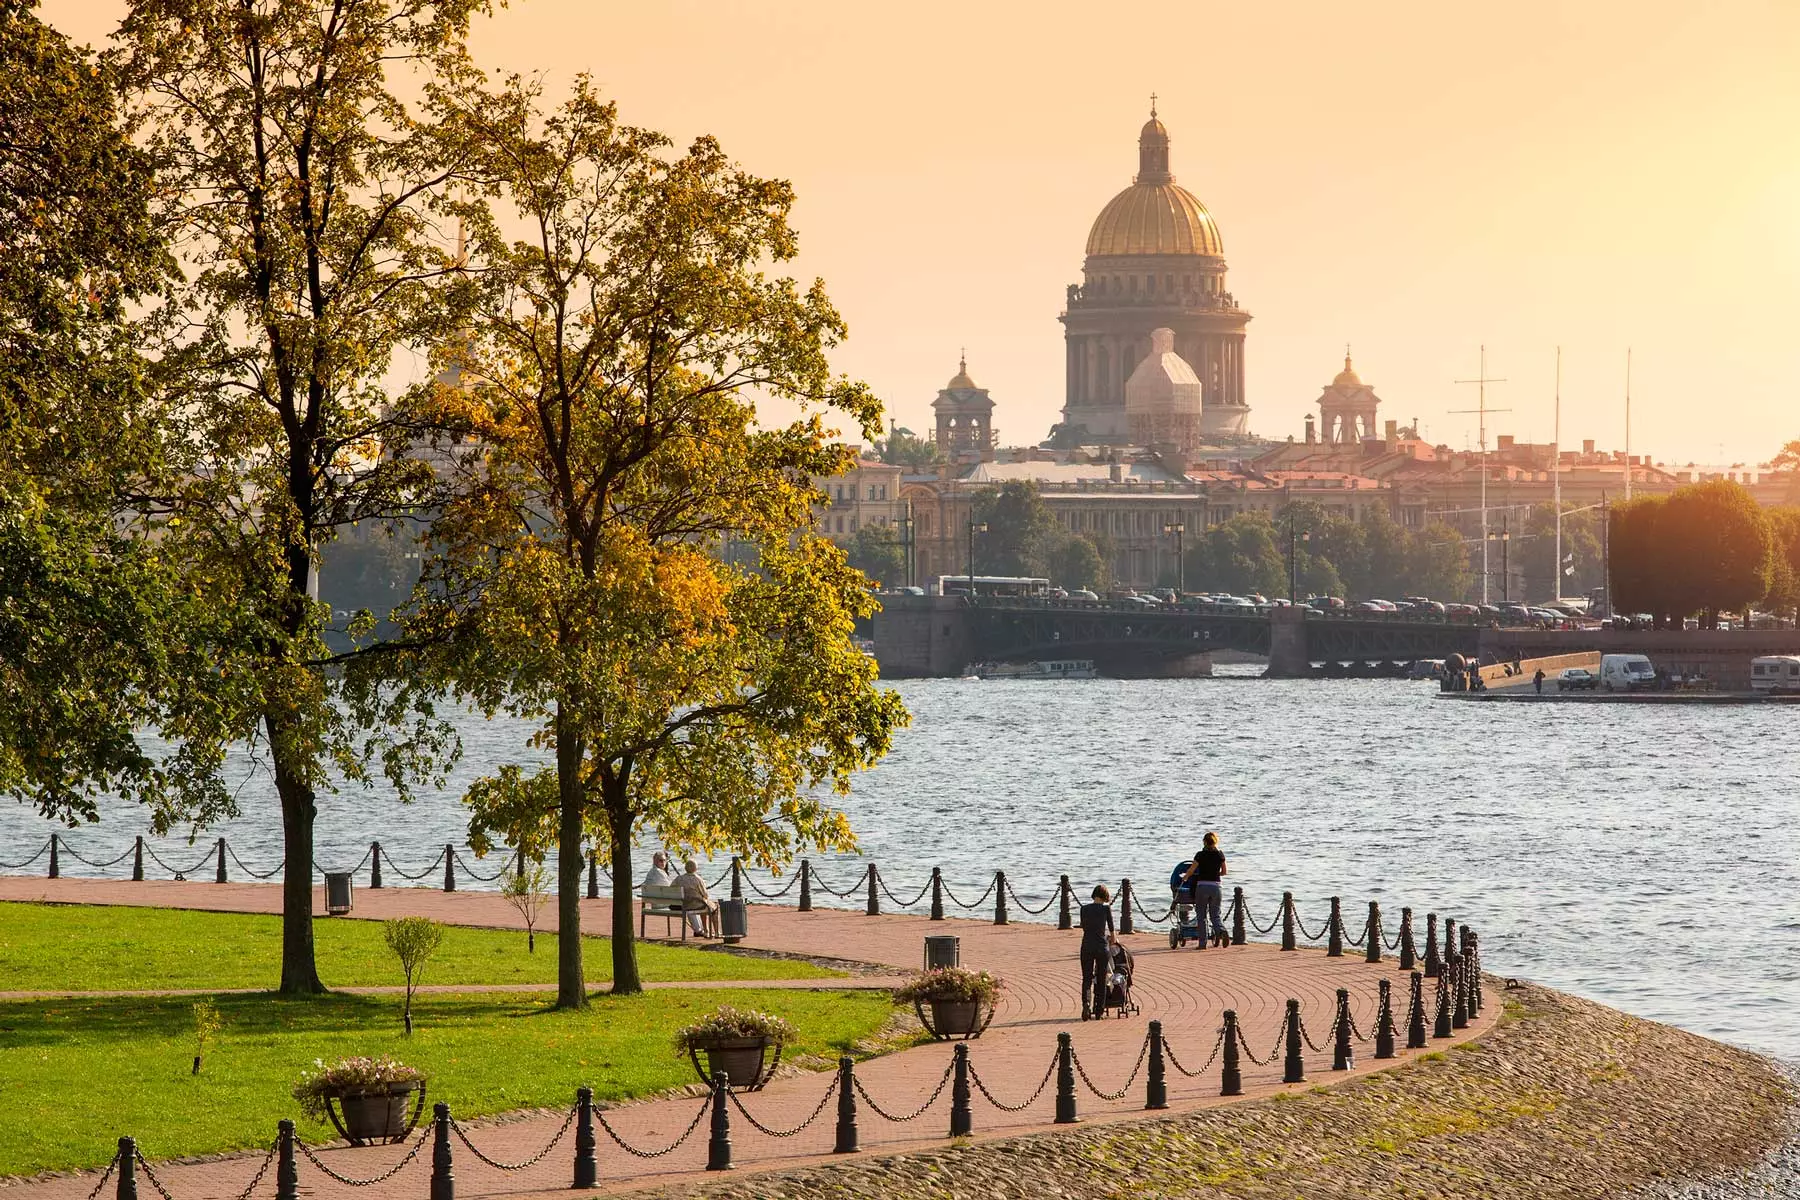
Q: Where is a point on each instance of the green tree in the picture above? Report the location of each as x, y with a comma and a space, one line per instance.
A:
1239, 555
1438, 564
902, 448
1784, 575
1020, 530
1722, 555
1639, 582
302, 184
1076, 562
620, 344
1386, 556
413, 941
1536, 551
876, 551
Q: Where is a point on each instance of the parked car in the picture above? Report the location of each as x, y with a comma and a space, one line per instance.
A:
1576, 679
1626, 672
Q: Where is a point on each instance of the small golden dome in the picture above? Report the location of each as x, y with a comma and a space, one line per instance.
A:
1348, 376
1155, 218
961, 381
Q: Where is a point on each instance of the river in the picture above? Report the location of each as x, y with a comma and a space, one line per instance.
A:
1647, 857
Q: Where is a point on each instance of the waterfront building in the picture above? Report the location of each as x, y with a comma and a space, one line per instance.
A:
965, 417
866, 494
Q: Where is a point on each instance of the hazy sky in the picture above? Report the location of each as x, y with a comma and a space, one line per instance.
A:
1413, 178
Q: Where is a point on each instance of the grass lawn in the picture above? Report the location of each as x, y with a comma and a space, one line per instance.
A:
55, 947
77, 1074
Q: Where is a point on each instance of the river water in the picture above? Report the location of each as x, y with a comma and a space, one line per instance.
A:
1647, 857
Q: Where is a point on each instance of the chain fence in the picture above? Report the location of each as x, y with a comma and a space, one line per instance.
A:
796, 1130
534, 1160
636, 1152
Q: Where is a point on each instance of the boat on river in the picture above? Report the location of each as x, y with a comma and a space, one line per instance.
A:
1059, 668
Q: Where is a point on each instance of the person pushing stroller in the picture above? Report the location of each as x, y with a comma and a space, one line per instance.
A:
1203, 883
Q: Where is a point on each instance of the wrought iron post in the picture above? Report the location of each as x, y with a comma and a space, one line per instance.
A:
1125, 906
127, 1167
962, 1119
1156, 1091
873, 908
587, 1164
593, 888
1065, 1080
1064, 918
219, 876
1450, 943
1374, 951
449, 867
846, 1122
287, 1170
806, 885
1342, 1058
1294, 1068
718, 1146
374, 864
1440, 1023
1409, 954
1474, 968
1384, 1022
137, 860
1287, 922
1459, 991
1231, 1077
999, 897
937, 893
737, 878
1415, 1014
55, 859
1334, 937
443, 1177
1434, 965
1238, 934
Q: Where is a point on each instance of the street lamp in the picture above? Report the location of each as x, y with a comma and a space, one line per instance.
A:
906, 544
974, 528
1294, 560
1178, 528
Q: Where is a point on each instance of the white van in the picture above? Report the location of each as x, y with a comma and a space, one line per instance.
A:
1775, 673
1626, 673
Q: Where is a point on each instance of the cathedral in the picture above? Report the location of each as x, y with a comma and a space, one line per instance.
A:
1155, 264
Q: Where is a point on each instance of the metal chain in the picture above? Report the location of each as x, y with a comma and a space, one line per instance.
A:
1026, 907
1362, 939
1355, 1031
1145, 913
776, 895
254, 874
721, 879
916, 1113
157, 858
857, 886
98, 866
533, 1161
1260, 928
1307, 933
151, 1176
110, 1168
882, 883
504, 868
404, 874
787, 1133
1143, 1052
1307, 1037
268, 1158
979, 900
975, 1077
1244, 1045
628, 1148
1395, 944
1218, 1043
418, 1145
29, 861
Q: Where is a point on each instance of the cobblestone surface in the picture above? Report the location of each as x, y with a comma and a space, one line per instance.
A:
1566, 1100
1776, 1174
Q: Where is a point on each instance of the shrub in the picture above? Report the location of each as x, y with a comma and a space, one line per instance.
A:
413, 940
953, 985
726, 1022
351, 1077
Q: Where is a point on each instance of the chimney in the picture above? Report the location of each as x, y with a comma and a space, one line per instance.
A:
1505, 442
1587, 445
1114, 471
1392, 435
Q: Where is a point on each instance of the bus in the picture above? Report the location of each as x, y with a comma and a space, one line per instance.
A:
992, 585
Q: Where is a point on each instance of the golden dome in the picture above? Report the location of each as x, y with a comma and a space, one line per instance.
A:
1155, 218
1348, 376
961, 381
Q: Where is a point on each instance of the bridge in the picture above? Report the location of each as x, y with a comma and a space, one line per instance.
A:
942, 635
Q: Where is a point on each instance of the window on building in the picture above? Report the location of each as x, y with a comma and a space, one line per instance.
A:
852, 524
871, 491
1168, 283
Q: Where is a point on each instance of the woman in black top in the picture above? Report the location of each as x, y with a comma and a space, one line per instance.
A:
1204, 877
1096, 924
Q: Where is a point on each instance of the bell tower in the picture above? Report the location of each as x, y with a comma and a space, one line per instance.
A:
965, 416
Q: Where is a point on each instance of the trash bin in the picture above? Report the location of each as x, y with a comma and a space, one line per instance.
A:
337, 893
943, 951
734, 921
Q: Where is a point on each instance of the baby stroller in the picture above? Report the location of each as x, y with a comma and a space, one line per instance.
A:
1185, 922
1119, 971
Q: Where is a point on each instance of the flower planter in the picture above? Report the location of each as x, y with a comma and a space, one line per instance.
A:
746, 1061
369, 1118
954, 1018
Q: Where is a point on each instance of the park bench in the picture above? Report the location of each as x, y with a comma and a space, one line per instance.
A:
667, 901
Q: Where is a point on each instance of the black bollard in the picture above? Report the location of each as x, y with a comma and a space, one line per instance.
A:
1231, 1078
1064, 919
718, 1147
1239, 935
593, 888
1294, 1069
1342, 1057
443, 1178
937, 893
55, 859
999, 897
737, 878
806, 885
1450, 942
127, 1169
1334, 935
1409, 955
1374, 932
1287, 922
846, 1122
220, 876
1415, 1014
1474, 967
449, 867
1065, 1080
374, 864
962, 1119
587, 1163
137, 860
1156, 1091
1384, 1022
873, 908
1125, 906
1434, 965
1440, 1023
1459, 992
287, 1170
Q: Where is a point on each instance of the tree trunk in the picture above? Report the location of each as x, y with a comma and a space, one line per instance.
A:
571, 982
624, 940
299, 964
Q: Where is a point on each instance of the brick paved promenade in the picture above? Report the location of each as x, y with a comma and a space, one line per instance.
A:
1186, 990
